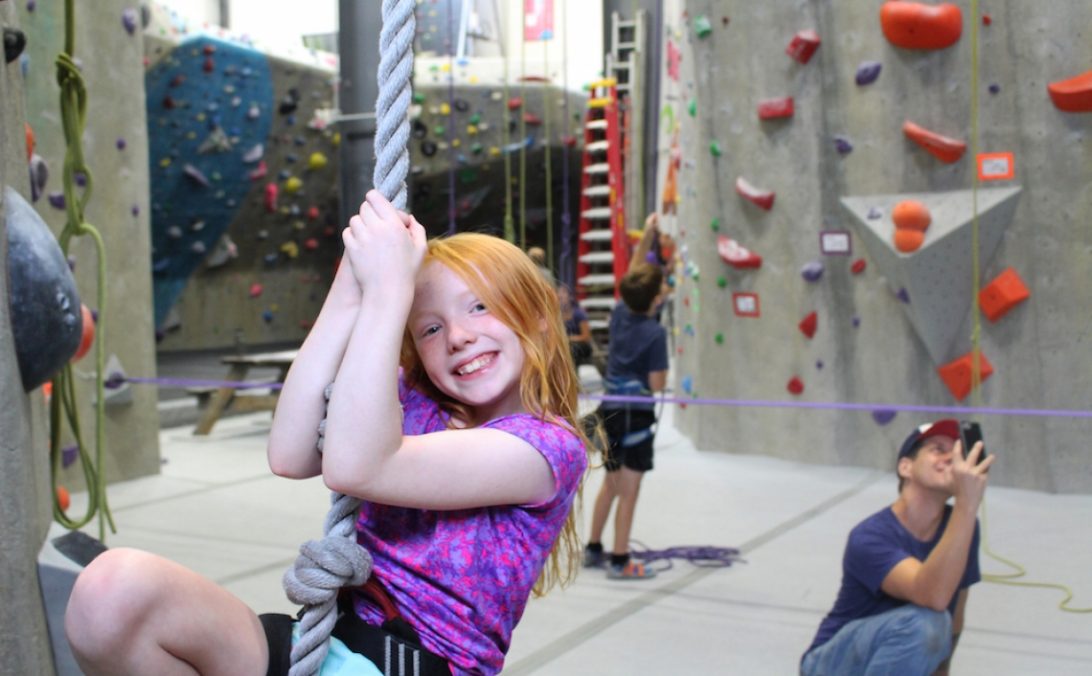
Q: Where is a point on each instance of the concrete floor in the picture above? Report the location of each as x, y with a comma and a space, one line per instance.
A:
217, 509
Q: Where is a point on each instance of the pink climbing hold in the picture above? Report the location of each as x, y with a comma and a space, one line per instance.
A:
803, 45
732, 253
271, 192
763, 199
809, 324
772, 109
255, 290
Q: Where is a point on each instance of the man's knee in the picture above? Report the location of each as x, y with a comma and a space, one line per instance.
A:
930, 630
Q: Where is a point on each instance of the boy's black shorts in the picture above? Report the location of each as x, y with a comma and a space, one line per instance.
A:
617, 423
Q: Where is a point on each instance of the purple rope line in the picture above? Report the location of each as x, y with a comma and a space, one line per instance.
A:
843, 406
703, 556
116, 381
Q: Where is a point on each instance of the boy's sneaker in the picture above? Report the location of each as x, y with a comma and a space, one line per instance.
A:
595, 558
631, 571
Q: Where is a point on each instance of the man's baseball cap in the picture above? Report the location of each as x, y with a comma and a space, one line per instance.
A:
948, 427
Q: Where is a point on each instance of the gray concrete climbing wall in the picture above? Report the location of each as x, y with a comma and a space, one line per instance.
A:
25, 509
841, 162
115, 151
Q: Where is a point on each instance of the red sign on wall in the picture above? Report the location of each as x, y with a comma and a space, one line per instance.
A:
538, 21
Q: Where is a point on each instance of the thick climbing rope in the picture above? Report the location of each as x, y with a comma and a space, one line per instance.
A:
325, 566
73, 121
523, 126
509, 223
1018, 571
451, 132
565, 262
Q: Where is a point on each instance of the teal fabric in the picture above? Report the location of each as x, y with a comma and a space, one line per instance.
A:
341, 661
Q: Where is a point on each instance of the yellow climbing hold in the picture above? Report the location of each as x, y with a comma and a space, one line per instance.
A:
471, 129
316, 161
291, 249
293, 184
445, 109
494, 151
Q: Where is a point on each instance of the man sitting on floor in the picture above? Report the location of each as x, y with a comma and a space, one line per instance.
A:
906, 568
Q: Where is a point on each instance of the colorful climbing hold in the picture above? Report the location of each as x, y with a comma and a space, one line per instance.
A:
915, 25
803, 45
809, 324
858, 266
702, 27
957, 374
843, 145
87, 334
772, 109
868, 72
1073, 95
714, 148
943, 148
64, 499
764, 199
883, 416
732, 253
271, 193
293, 185
911, 219
1002, 294
256, 290
812, 271
795, 385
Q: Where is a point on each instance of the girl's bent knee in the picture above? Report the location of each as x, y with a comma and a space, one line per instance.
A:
110, 599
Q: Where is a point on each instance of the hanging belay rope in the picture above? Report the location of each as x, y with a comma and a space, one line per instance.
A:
325, 566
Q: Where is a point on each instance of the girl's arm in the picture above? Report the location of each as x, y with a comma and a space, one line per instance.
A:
364, 452
292, 450
585, 332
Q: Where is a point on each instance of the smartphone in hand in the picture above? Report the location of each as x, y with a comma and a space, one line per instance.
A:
970, 433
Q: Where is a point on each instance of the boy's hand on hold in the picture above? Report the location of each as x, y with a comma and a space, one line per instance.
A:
968, 476
384, 245
652, 221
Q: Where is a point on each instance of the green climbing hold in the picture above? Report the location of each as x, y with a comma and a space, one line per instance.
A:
722, 282
418, 97
439, 130
476, 149
715, 225
692, 108
714, 148
468, 175
702, 26
475, 118
719, 338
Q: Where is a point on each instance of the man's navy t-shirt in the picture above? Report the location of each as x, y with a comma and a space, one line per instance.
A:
638, 345
875, 546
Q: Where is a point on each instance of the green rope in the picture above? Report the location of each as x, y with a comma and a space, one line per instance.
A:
73, 121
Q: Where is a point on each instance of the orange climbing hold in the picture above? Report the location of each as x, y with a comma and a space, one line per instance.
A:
64, 499
1073, 95
1004, 293
957, 375
88, 333
908, 241
911, 215
915, 25
943, 148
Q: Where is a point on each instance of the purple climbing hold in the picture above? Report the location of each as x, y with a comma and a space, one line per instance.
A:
68, 455
904, 295
81, 179
120, 143
995, 88
129, 18
843, 145
56, 200
856, 322
868, 72
31, 5
875, 213
883, 416
135, 210
819, 364
812, 271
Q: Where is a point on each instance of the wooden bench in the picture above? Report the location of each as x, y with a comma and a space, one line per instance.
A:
220, 398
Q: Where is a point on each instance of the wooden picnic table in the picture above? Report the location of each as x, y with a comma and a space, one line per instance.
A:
238, 367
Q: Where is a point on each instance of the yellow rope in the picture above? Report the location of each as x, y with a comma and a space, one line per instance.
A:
976, 339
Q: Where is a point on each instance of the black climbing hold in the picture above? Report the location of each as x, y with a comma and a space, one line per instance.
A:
45, 308
428, 148
461, 105
15, 41
420, 130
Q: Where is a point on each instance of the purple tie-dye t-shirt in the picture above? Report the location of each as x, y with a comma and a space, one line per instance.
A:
462, 578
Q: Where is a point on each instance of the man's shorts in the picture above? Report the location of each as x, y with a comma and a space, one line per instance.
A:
617, 424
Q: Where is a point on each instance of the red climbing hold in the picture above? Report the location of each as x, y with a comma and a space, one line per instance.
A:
795, 386
1005, 292
762, 198
310, 244
803, 45
858, 266
514, 103
208, 66
957, 375
943, 148
271, 192
255, 290
88, 335
1073, 95
312, 213
531, 119
915, 25
808, 324
771, 109
735, 255
30, 140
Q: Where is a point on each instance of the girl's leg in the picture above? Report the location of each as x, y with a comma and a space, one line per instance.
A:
136, 613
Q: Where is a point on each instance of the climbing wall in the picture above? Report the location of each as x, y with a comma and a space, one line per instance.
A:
116, 153
823, 164
243, 188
